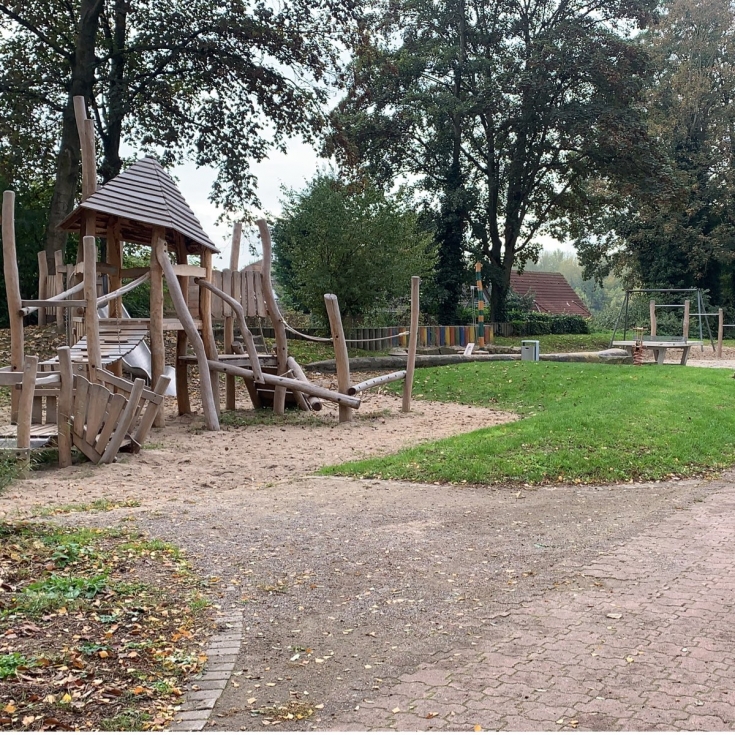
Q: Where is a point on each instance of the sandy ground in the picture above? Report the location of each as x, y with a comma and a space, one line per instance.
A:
185, 464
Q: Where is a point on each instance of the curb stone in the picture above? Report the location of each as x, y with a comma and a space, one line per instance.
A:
199, 703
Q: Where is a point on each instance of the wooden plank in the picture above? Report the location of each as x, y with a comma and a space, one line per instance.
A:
259, 302
96, 409
80, 404
249, 288
87, 449
184, 269
66, 303
150, 410
124, 422
115, 406
66, 397
37, 410
216, 281
226, 278
59, 287
51, 408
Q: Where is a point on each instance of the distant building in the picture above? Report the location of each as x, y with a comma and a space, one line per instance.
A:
551, 292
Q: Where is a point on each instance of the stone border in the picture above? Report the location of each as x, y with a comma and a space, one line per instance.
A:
205, 690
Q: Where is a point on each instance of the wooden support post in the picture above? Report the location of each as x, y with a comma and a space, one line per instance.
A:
115, 259
187, 321
91, 318
340, 352
279, 397
205, 314
12, 288
58, 288
412, 342
720, 331
652, 310
25, 404
480, 310
158, 349
686, 320
182, 370
66, 397
229, 320
42, 285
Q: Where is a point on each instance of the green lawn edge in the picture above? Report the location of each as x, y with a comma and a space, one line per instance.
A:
581, 423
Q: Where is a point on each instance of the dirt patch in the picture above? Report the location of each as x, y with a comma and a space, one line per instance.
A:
185, 464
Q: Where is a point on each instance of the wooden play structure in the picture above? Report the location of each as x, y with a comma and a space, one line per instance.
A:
657, 344
79, 398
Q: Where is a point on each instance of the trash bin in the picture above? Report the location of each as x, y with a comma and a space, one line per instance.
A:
530, 350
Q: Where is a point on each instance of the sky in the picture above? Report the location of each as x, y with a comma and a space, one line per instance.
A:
292, 170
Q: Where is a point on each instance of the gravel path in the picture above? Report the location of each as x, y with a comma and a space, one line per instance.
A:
384, 605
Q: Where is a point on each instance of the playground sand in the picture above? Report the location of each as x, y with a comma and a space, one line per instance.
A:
184, 464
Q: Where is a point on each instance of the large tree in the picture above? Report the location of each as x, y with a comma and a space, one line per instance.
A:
220, 83
682, 234
505, 111
350, 240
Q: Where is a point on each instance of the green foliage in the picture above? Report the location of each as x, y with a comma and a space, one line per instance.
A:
582, 423
352, 241
10, 663
509, 115
534, 323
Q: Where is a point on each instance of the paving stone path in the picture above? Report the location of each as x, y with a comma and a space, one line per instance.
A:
648, 646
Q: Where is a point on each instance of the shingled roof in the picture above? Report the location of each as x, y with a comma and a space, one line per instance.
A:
551, 292
142, 197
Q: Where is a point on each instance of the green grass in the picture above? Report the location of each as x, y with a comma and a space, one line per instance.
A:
101, 505
11, 662
582, 423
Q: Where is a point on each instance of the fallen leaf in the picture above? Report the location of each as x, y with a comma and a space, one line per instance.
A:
252, 700
66, 698
396, 710
9, 708
477, 728
432, 715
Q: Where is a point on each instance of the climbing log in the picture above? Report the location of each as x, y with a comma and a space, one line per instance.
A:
205, 315
375, 382
158, 346
279, 398
187, 322
313, 402
288, 383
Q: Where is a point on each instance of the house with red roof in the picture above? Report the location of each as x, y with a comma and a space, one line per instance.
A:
551, 292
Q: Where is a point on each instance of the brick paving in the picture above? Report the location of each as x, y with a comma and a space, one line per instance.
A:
647, 645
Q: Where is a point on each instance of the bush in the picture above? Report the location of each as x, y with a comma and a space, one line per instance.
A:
535, 323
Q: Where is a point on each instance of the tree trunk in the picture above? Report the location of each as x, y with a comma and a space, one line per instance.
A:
450, 273
116, 101
68, 160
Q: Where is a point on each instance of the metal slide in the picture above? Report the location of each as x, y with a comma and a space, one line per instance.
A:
138, 362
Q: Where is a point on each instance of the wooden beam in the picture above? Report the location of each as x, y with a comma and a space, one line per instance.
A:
59, 287
12, 288
375, 382
158, 347
685, 326
720, 331
340, 352
25, 404
289, 383
652, 311
42, 285
229, 321
91, 317
64, 412
412, 343
205, 314
313, 402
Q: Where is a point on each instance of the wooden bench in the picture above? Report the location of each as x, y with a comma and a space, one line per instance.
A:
660, 346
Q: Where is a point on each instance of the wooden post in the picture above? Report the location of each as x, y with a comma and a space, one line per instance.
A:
686, 320
480, 316
25, 404
59, 287
720, 331
412, 343
91, 318
229, 320
187, 321
85, 128
158, 350
340, 352
66, 396
205, 314
12, 288
42, 286
652, 310
279, 397
182, 369
115, 259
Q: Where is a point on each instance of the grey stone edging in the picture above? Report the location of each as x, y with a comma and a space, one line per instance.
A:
221, 656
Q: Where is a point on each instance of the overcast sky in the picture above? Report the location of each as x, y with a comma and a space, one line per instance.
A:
291, 169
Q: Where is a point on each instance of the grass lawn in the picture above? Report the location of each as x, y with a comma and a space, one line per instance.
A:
581, 423
562, 342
